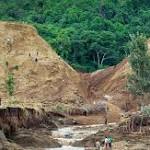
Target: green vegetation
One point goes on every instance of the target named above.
(10, 84)
(139, 80)
(16, 67)
(146, 110)
(61, 108)
(88, 34)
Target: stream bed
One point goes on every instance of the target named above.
(68, 135)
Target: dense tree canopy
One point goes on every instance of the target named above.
(88, 34)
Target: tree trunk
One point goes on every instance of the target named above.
(103, 58)
(94, 59)
(142, 99)
(98, 59)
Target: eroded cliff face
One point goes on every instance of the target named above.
(111, 85)
(27, 127)
(40, 75)
(12, 119)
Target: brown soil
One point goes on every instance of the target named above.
(111, 82)
(42, 76)
(43, 79)
(110, 85)
(37, 138)
(113, 115)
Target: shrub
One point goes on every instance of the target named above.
(10, 84)
(61, 108)
(16, 67)
(146, 110)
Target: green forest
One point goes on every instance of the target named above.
(88, 34)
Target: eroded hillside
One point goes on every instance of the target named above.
(40, 75)
(110, 84)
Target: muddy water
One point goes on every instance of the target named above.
(68, 135)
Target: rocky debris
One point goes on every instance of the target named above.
(6, 145)
(70, 121)
(139, 146)
(88, 142)
(35, 138)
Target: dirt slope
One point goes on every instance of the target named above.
(112, 79)
(110, 84)
(41, 76)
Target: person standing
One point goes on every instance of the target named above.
(107, 141)
(106, 114)
(98, 146)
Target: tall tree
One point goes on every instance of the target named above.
(139, 80)
(89, 34)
